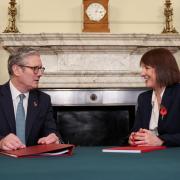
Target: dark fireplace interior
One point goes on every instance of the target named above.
(94, 117)
(95, 125)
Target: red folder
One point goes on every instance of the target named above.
(133, 149)
(41, 150)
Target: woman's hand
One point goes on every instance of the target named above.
(144, 137)
(131, 139)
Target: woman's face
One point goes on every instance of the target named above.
(149, 75)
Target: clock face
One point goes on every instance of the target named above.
(95, 11)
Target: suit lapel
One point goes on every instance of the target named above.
(167, 98)
(32, 112)
(7, 106)
(166, 102)
(148, 107)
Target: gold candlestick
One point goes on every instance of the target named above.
(168, 12)
(12, 12)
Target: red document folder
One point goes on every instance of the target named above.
(41, 150)
(133, 149)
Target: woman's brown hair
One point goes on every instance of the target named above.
(166, 67)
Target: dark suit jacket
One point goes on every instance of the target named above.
(169, 125)
(39, 120)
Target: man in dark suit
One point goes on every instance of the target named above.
(158, 113)
(38, 127)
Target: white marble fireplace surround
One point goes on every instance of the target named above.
(91, 60)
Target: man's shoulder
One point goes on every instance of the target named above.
(39, 93)
(4, 87)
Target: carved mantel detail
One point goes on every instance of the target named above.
(91, 60)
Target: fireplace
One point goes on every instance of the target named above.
(91, 60)
(94, 117)
(93, 79)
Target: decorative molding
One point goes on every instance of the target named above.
(59, 39)
(91, 60)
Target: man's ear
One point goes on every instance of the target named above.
(17, 70)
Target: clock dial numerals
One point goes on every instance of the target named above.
(95, 12)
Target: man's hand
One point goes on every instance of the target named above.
(51, 138)
(144, 137)
(11, 142)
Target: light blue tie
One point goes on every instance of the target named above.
(20, 120)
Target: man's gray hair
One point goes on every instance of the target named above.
(18, 57)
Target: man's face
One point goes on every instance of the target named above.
(26, 77)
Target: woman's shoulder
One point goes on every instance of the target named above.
(175, 87)
(146, 95)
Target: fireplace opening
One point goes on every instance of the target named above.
(95, 125)
(94, 117)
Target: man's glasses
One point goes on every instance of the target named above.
(35, 69)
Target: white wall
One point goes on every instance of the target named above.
(66, 16)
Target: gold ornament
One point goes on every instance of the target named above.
(12, 12)
(168, 12)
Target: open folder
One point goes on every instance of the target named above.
(133, 149)
(41, 150)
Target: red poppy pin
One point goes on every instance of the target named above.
(163, 111)
(35, 104)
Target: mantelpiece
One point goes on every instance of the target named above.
(91, 60)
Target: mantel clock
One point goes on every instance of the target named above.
(95, 14)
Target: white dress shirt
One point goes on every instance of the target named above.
(15, 97)
(155, 113)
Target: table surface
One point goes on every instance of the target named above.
(93, 164)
